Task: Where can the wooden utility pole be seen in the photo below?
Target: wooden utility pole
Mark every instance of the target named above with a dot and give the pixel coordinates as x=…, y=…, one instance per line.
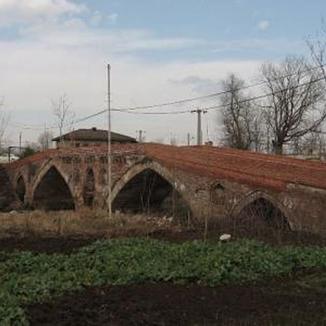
x=109, y=172
x=140, y=135
x=199, y=131
x=20, y=143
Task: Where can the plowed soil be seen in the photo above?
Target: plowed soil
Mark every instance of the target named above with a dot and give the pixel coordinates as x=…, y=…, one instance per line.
x=167, y=304
x=281, y=302
x=62, y=244
x=44, y=245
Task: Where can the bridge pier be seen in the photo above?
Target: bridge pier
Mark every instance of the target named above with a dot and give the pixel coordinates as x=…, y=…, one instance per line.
x=211, y=189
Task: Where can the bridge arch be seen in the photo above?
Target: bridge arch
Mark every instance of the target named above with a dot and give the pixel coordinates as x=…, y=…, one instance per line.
x=147, y=187
x=89, y=188
x=20, y=187
x=51, y=189
x=265, y=207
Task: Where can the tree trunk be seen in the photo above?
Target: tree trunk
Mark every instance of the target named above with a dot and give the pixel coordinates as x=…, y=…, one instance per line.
x=278, y=148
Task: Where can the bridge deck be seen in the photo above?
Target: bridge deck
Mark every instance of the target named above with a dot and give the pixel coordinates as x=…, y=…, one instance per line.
x=251, y=168
x=258, y=170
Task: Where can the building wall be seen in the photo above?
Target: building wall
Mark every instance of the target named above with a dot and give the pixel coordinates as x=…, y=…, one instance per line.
x=78, y=143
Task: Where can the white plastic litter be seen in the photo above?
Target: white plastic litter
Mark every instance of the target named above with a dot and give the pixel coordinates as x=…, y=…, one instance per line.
x=225, y=237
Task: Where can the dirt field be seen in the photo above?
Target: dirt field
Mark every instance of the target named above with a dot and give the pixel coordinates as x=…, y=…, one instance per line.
x=288, y=301
x=44, y=245
x=64, y=231
x=166, y=304
x=282, y=302
x=67, y=244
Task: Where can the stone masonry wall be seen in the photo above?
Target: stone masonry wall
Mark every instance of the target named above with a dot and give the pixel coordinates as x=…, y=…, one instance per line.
x=304, y=207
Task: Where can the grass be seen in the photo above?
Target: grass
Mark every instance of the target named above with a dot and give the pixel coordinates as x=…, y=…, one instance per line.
x=27, y=278
x=85, y=223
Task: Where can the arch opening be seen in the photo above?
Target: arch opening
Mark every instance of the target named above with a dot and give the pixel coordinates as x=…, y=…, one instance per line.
x=217, y=194
x=149, y=193
x=53, y=193
x=261, y=213
x=89, y=188
x=21, y=189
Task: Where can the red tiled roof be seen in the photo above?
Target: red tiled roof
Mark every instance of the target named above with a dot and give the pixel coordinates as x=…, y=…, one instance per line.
x=95, y=134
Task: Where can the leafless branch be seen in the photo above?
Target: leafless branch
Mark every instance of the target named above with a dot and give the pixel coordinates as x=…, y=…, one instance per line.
x=4, y=121
x=293, y=111
x=63, y=114
x=241, y=125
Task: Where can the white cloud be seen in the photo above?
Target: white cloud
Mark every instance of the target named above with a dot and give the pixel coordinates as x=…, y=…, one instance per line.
x=263, y=25
x=259, y=44
x=22, y=11
x=79, y=34
x=96, y=18
x=113, y=18
x=70, y=56
x=198, y=84
x=33, y=72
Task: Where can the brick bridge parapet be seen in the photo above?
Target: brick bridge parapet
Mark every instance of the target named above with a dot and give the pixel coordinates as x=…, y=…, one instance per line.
x=209, y=194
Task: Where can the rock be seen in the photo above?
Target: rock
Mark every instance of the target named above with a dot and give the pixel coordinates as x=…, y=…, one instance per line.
x=225, y=237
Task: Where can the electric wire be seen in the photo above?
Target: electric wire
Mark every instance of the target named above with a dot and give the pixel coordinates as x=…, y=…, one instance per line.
x=131, y=110
x=255, y=98
x=212, y=95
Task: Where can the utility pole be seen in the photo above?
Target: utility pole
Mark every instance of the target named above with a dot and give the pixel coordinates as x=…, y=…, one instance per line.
x=46, y=145
x=199, y=131
x=140, y=135
x=268, y=145
x=109, y=145
x=20, y=143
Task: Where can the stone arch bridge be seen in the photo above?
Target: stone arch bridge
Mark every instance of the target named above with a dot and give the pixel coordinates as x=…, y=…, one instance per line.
x=199, y=181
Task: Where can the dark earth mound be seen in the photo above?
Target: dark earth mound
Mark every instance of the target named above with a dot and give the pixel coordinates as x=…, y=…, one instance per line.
x=168, y=304
x=268, y=235
x=65, y=244
x=43, y=245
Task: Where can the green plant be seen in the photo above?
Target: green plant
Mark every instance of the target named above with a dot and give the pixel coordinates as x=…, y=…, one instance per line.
x=26, y=277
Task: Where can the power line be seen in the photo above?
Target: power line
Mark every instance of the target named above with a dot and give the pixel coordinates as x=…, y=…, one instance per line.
x=136, y=108
x=215, y=107
x=191, y=99
x=226, y=105
x=152, y=113
x=258, y=97
x=129, y=110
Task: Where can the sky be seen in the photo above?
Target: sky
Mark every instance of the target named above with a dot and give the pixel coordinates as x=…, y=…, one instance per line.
x=159, y=51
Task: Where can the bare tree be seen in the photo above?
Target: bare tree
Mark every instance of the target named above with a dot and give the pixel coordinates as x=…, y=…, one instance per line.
x=317, y=47
x=258, y=130
x=296, y=105
x=238, y=115
x=4, y=120
x=45, y=139
x=173, y=140
x=313, y=144
x=62, y=111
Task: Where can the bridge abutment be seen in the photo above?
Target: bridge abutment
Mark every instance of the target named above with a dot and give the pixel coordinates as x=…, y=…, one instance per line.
x=208, y=197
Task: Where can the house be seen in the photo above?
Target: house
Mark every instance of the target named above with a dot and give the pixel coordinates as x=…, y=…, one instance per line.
x=90, y=137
